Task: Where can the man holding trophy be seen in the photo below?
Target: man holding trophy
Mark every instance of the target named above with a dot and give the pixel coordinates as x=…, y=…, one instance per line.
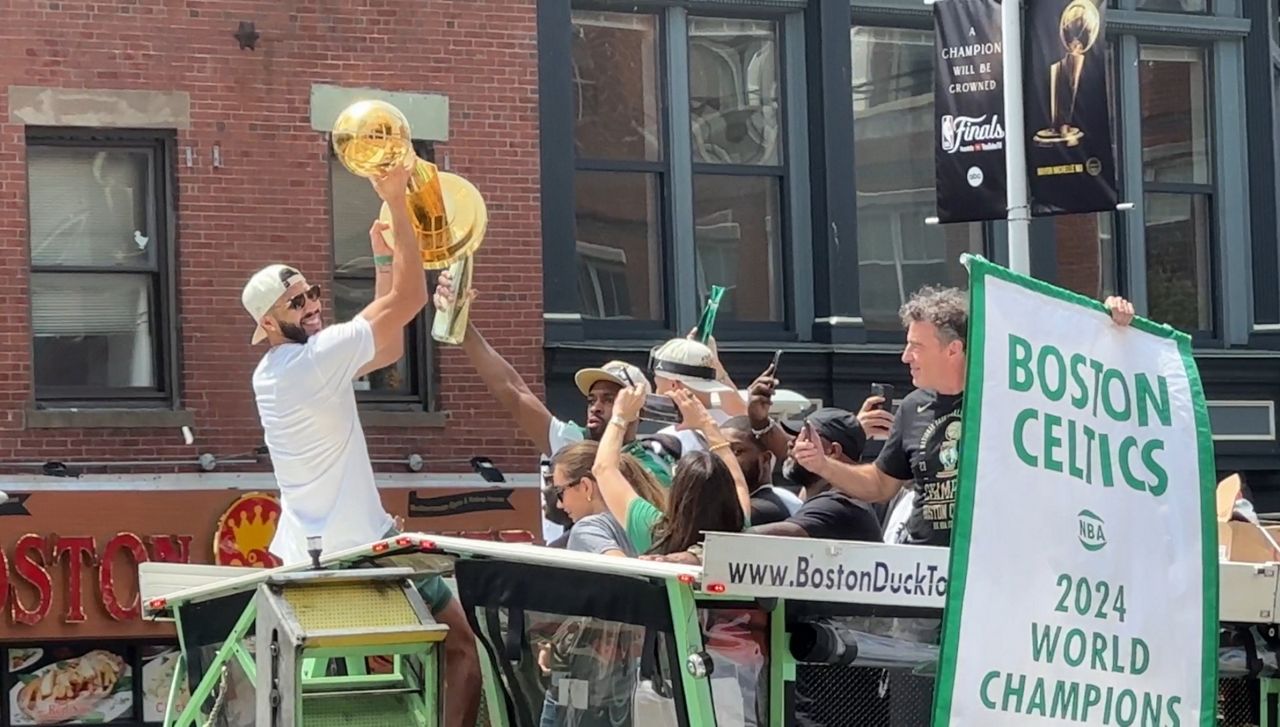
x=306, y=398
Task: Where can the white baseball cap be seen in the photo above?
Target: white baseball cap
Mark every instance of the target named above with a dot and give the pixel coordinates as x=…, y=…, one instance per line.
x=263, y=291
x=616, y=372
x=689, y=362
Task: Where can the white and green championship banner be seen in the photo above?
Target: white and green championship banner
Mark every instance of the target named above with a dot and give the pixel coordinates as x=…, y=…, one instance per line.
x=1084, y=567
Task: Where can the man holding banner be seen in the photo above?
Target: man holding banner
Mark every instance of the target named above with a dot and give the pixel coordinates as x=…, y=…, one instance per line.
x=1083, y=579
x=924, y=444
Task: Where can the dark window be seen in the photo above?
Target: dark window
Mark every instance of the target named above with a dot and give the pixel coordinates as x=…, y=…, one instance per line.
x=99, y=209
x=734, y=128
x=355, y=206
x=1175, y=6
x=893, y=135
x=1177, y=170
x=739, y=178
x=621, y=166
x=619, y=223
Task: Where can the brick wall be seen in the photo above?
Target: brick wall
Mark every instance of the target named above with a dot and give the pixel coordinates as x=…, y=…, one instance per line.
x=269, y=201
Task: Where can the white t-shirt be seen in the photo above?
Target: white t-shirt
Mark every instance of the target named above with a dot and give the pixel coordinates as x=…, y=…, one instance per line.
x=789, y=499
x=897, y=518
x=307, y=405
x=562, y=434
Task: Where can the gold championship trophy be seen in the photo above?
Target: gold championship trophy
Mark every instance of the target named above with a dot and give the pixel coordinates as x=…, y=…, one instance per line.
x=1078, y=30
x=448, y=213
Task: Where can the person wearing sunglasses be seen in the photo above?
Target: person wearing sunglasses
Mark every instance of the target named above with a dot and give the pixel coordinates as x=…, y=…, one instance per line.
x=306, y=403
x=605, y=655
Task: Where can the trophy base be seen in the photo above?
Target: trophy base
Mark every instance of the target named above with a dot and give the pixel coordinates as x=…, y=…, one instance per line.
x=450, y=323
x=1065, y=135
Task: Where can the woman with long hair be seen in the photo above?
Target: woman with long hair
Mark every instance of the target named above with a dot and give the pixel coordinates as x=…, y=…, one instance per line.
x=708, y=492
x=604, y=655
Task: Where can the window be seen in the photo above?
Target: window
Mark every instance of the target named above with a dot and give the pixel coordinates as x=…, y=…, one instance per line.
x=354, y=207
x=1177, y=186
x=1175, y=6
x=1086, y=253
x=893, y=135
x=730, y=184
x=621, y=166
x=738, y=177
x=100, y=298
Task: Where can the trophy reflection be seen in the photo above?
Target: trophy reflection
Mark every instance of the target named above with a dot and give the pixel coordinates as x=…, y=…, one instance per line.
x=1078, y=29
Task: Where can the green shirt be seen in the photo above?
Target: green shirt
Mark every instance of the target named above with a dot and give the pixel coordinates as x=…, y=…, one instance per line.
x=660, y=465
x=642, y=517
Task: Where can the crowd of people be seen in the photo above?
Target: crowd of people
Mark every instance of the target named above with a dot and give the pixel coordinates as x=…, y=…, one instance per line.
x=729, y=465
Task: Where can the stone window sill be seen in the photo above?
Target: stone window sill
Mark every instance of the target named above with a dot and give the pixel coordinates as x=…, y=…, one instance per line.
x=402, y=418
x=108, y=418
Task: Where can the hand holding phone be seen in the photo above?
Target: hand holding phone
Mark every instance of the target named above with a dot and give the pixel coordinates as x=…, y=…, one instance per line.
x=885, y=392
x=877, y=419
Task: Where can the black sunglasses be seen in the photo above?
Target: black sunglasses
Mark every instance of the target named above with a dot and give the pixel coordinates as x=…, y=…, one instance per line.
x=560, y=490
x=299, y=300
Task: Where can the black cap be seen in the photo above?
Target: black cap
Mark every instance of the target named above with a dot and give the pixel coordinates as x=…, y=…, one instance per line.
x=835, y=425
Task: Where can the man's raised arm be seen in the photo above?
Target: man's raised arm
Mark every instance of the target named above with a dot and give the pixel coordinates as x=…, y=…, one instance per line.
x=866, y=482
x=389, y=314
x=383, y=254
x=501, y=378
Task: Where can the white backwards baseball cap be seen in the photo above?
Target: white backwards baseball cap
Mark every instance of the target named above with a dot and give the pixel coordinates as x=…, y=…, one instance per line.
x=689, y=362
x=263, y=291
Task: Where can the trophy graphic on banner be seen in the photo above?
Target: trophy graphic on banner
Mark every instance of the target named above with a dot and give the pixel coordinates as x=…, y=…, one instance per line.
x=1078, y=29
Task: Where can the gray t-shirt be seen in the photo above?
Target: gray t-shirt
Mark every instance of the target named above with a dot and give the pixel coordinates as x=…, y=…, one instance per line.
x=599, y=533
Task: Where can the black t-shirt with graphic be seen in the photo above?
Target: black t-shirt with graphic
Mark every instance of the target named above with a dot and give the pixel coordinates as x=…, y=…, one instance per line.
x=924, y=446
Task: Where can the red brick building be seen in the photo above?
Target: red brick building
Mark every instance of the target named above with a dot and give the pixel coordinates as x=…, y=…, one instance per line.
x=242, y=178
x=153, y=155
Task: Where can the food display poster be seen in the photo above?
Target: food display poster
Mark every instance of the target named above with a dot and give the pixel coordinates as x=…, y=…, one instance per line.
x=88, y=684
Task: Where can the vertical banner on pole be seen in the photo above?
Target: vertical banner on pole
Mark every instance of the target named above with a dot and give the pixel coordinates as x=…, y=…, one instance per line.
x=968, y=111
x=1070, y=163
x=1084, y=565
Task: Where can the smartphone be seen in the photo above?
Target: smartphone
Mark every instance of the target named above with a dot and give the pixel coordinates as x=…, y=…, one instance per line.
x=884, y=391
x=807, y=430
x=777, y=356
x=659, y=408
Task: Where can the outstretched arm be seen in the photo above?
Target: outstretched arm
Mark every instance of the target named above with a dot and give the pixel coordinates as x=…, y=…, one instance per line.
x=866, y=482
x=696, y=417
x=500, y=377
x=774, y=438
x=389, y=314
x=382, y=288
x=614, y=488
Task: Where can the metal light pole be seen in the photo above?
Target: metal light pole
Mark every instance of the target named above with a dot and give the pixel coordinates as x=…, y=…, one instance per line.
x=1015, y=139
